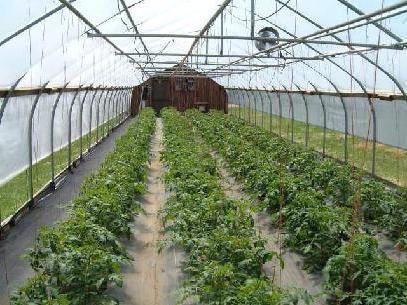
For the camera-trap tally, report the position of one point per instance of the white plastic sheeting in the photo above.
(58, 49)
(389, 114)
(14, 135)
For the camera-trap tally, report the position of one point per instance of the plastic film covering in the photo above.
(357, 148)
(69, 128)
(14, 137)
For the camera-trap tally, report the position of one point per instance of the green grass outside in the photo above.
(14, 193)
(391, 163)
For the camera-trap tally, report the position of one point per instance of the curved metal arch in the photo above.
(239, 94)
(270, 109)
(91, 115)
(253, 93)
(81, 124)
(343, 107)
(248, 103)
(70, 129)
(388, 74)
(109, 115)
(371, 105)
(280, 110)
(119, 106)
(324, 120)
(262, 107)
(306, 114)
(389, 33)
(127, 104)
(30, 143)
(98, 112)
(54, 107)
(376, 24)
(107, 97)
(292, 112)
(113, 107)
(7, 98)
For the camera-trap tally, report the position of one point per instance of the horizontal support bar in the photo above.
(390, 96)
(207, 64)
(397, 46)
(214, 55)
(164, 69)
(52, 90)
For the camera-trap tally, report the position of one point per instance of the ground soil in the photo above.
(292, 275)
(153, 277)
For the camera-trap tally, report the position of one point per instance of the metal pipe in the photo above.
(270, 110)
(262, 108)
(98, 113)
(213, 55)
(388, 74)
(118, 106)
(133, 24)
(81, 124)
(255, 107)
(54, 107)
(90, 119)
(91, 116)
(252, 19)
(306, 115)
(31, 24)
(30, 145)
(324, 111)
(280, 110)
(212, 64)
(376, 24)
(191, 71)
(94, 28)
(205, 29)
(395, 46)
(112, 97)
(346, 119)
(70, 130)
(249, 106)
(107, 97)
(292, 113)
(325, 30)
(221, 33)
(8, 96)
(364, 90)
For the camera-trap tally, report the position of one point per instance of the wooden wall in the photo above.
(181, 93)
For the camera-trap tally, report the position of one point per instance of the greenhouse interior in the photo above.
(217, 152)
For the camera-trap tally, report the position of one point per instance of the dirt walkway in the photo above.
(291, 275)
(152, 278)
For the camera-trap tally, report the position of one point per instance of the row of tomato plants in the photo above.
(224, 253)
(321, 203)
(78, 259)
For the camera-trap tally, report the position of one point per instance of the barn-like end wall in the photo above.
(180, 92)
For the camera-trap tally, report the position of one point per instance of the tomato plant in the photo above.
(79, 258)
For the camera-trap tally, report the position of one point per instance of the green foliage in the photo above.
(315, 229)
(78, 259)
(362, 274)
(316, 197)
(224, 253)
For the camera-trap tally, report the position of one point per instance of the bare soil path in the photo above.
(152, 278)
(292, 275)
